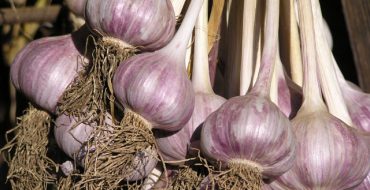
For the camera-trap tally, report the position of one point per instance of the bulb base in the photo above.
(242, 174)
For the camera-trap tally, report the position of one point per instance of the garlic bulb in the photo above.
(323, 160)
(145, 24)
(46, 67)
(156, 89)
(231, 134)
(155, 85)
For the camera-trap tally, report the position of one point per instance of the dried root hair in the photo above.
(110, 157)
(190, 175)
(26, 152)
(240, 175)
(89, 94)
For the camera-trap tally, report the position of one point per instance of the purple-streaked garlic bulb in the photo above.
(155, 85)
(249, 134)
(174, 147)
(330, 154)
(77, 6)
(46, 67)
(144, 24)
(72, 138)
(243, 129)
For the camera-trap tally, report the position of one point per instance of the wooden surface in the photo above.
(29, 14)
(357, 16)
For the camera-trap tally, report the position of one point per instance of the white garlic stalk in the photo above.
(249, 45)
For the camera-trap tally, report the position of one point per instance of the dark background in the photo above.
(332, 11)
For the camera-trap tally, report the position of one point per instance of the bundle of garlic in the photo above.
(238, 95)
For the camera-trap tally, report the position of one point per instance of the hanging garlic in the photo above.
(330, 154)
(249, 135)
(174, 147)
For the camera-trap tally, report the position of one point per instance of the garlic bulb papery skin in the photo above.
(72, 137)
(174, 147)
(272, 186)
(155, 85)
(165, 180)
(213, 60)
(358, 104)
(44, 69)
(250, 130)
(357, 101)
(289, 97)
(77, 6)
(144, 24)
(329, 154)
(156, 88)
(178, 6)
(365, 185)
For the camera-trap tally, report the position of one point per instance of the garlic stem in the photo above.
(248, 45)
(269, 51)
(258, 60)
(312, 94)
(178, 5)
(232, 51)
(228, 10)
(188, 62)
(338, 72)
(295, 58)
(214, 22)
(184, 33)
(274, 90)
(200, 77)
(328, 79)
